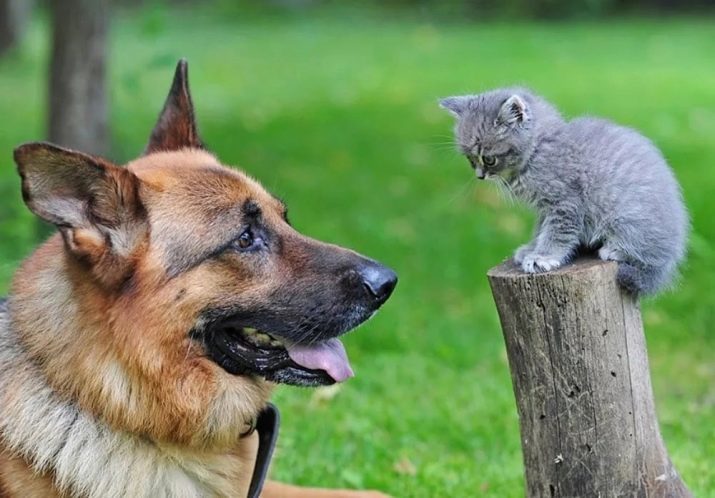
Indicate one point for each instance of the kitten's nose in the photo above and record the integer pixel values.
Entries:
(477, 168)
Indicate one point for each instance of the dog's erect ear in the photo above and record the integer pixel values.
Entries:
(176, 127)
(94, 203)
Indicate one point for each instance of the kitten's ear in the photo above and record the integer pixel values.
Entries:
(455, 105)
(513, 112)
(176, 127)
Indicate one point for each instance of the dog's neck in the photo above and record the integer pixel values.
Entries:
(85, 456)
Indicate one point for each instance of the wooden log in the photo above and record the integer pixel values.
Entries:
(580, 374)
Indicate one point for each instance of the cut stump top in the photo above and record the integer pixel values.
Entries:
(509, 269)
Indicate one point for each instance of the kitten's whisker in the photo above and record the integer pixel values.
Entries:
(506, 190)
(462, 192)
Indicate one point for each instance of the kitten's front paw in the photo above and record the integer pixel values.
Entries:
(521, 252)
(534, 263)
(607, 253)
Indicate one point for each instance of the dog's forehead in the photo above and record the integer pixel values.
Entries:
(196, 205)
(195, 178)
(157, 168)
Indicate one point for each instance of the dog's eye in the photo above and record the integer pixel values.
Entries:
(245, 240)
(489, 160)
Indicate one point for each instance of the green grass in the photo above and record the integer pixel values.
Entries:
(338, 116)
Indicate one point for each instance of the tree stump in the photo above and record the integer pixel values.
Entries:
(580, 374)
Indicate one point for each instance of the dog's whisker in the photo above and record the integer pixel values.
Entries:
(188, 349)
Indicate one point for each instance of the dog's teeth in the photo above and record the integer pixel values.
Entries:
(263, 339)
(252, 339)
(258, 338)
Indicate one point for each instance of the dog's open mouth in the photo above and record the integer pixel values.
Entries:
(245, 350)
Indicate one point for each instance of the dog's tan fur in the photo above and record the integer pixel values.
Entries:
(102, 392)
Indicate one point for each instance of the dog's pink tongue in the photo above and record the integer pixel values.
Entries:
(329, 355)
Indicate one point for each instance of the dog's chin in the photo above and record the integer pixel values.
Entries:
(242, 350)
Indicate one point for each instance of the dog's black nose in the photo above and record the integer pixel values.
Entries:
(378, 280)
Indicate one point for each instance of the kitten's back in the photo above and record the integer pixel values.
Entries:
(631, 190)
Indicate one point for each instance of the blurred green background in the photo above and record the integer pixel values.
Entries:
(334, 108)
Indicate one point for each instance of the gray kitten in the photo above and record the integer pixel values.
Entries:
(594, 185)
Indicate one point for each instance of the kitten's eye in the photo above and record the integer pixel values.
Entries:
(489, 160)
(244, 241)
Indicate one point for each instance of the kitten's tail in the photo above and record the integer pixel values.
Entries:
(642, 279)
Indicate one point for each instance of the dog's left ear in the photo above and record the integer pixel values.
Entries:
(94, 204)
(176, 127)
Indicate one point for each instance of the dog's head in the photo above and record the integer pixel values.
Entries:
(188, 261)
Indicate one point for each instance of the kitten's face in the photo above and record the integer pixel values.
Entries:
(492, 131)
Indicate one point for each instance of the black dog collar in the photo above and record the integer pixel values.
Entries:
(267, 426)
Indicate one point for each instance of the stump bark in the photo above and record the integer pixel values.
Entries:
(580, 374)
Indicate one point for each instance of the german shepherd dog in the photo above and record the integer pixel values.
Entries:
(139, 344)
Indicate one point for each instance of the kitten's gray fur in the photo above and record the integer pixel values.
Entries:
(593, 183)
